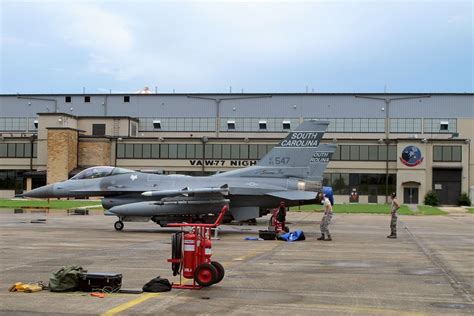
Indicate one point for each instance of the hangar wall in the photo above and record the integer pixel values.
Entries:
(206, 133)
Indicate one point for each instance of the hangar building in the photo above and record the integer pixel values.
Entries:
(408, 143)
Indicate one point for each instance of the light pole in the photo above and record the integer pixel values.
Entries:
(387, 101)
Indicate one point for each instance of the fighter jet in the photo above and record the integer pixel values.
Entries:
(291, 173)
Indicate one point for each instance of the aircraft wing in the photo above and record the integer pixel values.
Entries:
(294, 195)
(224, 190)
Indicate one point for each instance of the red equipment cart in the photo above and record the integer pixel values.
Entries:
(191, 254)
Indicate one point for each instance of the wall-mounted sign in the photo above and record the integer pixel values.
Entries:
(411, 156)
(223, 163)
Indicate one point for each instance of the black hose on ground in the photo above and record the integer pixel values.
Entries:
(176, 251)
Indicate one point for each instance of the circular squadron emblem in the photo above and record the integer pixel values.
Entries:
(411, 156)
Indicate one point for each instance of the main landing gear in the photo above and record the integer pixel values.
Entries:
(118, 225)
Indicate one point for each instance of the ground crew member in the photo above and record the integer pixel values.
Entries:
(326, 219)
(393, 221)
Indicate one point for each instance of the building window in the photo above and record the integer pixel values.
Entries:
(405, 125)
(355, 125)
(190, 151)
(262, 125)
(98, 129)
(133, 129)
(447, 153)
(230, 125)
(87, 99)
(445, 125)
(365, 153)
(286, 125)
(67, 99)
(126, 98)
(157, 124)
(16, 150)
(343, 183)
(17, 124)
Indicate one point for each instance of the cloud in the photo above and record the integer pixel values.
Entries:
(206, 45)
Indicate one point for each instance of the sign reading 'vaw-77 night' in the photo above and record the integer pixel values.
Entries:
(223, 163)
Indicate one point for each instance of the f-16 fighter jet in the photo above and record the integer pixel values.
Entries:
(291, 173)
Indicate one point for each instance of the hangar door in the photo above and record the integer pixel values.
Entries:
(447, 183)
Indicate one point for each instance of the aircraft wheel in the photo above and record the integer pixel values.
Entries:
(205, 274)
(118, 225)
(220, 271)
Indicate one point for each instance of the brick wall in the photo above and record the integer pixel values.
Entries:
(94, 152)
(62, 153)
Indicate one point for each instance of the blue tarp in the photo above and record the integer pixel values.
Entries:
(293, 236)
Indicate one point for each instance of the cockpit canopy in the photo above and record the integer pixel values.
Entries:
(100, 172)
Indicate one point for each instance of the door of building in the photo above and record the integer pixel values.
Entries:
(410, 195)
(372, 195)
(447, 184)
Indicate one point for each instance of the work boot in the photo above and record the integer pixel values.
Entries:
(329, 238)
(392, 236)
(322, 237)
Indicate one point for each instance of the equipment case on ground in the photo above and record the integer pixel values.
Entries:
(90, 282)
(267, 235)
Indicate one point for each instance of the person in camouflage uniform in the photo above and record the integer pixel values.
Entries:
(326, 220)
(393, 222)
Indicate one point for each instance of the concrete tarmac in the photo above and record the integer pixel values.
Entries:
(428, 270)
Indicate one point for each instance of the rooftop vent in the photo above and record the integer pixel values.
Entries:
(230, 125)
(156, 124)
(444, 125)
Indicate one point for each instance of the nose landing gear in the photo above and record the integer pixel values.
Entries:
(118, 225)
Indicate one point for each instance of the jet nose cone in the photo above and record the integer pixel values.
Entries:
(42, 192)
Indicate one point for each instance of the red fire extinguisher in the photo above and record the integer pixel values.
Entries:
(207, 250)
(188, 257)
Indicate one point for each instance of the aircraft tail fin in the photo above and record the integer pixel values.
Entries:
(299, 155)
(298, 147)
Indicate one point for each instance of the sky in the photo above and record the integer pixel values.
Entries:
(240, 46)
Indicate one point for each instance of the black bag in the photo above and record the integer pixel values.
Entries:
(107, 282)
(157, 285)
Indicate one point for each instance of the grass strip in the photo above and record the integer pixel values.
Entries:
(354, 209)
(429, 210)
(53, 204)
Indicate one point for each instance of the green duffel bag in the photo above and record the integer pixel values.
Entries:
(66, 279)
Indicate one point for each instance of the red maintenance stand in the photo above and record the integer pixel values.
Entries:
(191, 255)
(278, 214)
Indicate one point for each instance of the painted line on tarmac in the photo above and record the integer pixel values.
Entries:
(145, 297)
(130, 304)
